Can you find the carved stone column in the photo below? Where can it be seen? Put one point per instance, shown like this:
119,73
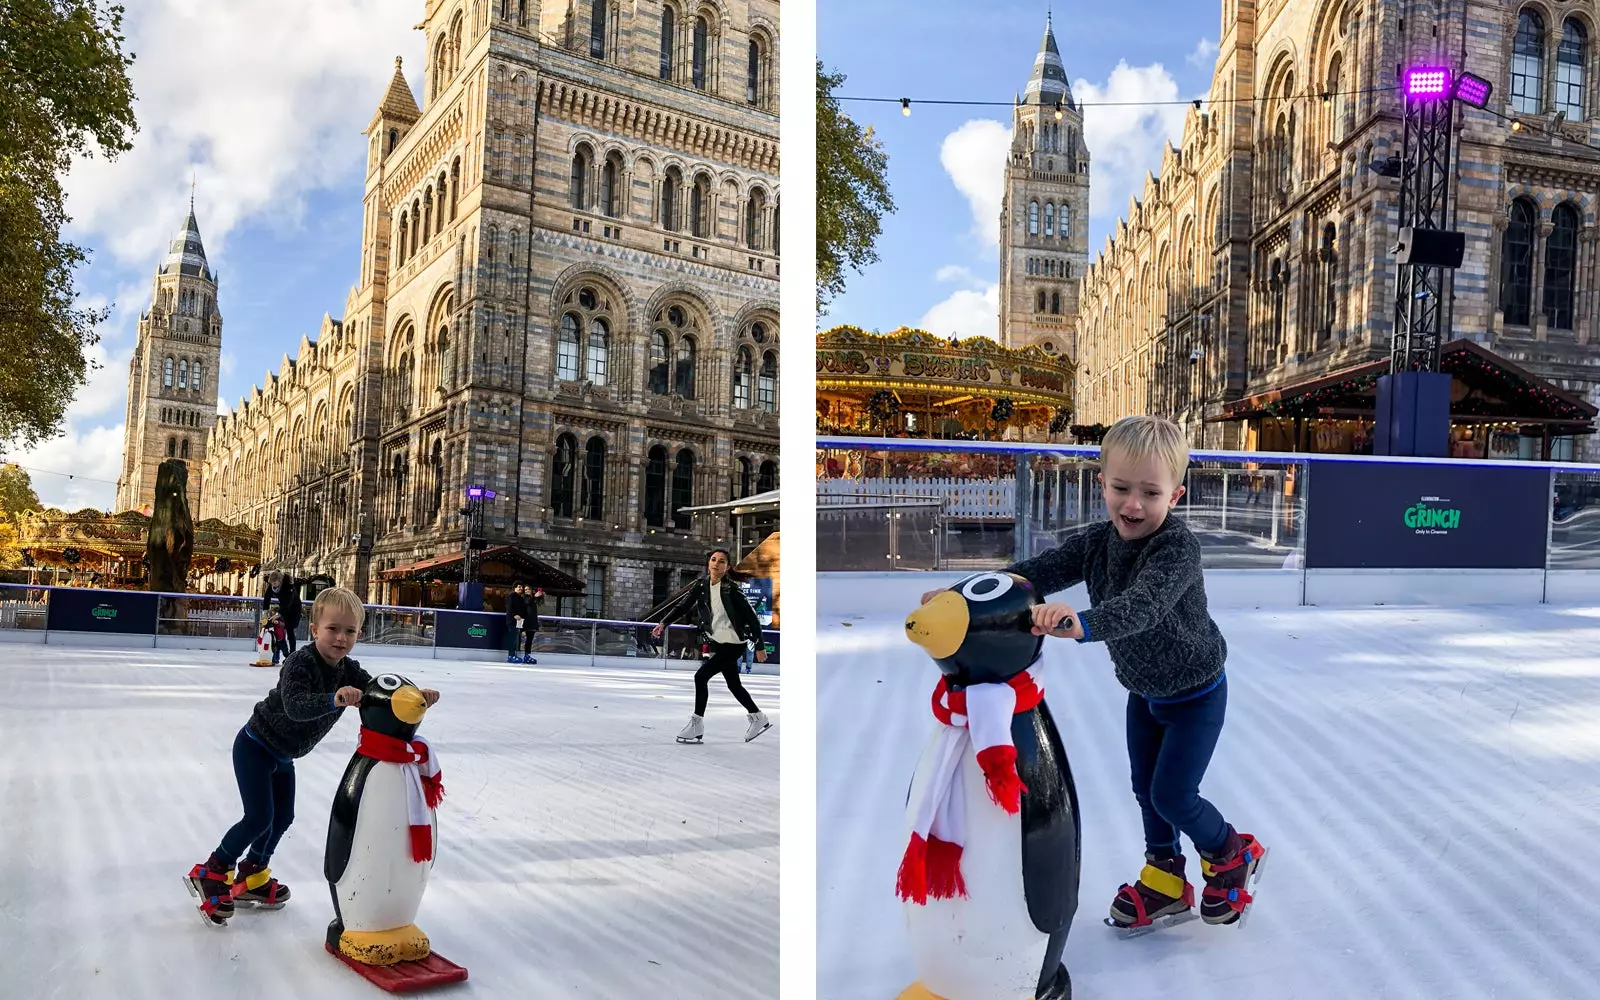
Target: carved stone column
1540,322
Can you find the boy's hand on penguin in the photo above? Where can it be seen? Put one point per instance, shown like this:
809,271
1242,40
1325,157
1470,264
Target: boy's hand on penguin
1056,620
429,696
347,696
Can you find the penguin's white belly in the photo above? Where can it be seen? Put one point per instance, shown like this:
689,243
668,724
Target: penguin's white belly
983,947
382,887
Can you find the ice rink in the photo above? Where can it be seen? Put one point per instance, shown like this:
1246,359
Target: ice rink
583,853
1427,781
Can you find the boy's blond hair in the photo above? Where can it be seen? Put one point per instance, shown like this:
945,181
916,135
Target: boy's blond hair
338,599
1140,437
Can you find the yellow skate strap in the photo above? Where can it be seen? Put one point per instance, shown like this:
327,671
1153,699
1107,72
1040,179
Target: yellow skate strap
1165,883
256,880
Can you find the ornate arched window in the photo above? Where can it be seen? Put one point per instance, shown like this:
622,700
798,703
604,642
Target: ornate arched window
593,501
166,373
754,208
747,478
563,476
1516,264
1049,219
1328,258
683,489
436,473
767,383
567,348
579,182
1033,218
655,487
611,186
1066,221
1038,304
742,374
400,244
1560,266
660,363
1571,57
700,203
183,373
671,199
701,51
668,32
197,381
599,349
1055,303
172,447
455,186
767,479
1527,65
683,368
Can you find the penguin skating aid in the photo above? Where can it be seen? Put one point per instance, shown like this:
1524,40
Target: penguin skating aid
382,842
989,876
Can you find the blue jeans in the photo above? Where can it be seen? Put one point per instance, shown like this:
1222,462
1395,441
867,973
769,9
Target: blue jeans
266,784
1169,748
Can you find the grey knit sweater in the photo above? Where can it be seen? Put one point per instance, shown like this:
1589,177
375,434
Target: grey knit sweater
1149,602
299,711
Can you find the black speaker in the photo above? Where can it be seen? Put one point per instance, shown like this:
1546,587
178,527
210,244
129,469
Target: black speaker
1430,248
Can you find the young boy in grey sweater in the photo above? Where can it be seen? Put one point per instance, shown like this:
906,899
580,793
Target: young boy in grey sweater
317,683
1143,573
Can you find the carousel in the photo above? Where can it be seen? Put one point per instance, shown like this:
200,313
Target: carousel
90,548
911,383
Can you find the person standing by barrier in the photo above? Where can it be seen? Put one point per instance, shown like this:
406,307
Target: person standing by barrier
728,627
282,588
516,615
532,597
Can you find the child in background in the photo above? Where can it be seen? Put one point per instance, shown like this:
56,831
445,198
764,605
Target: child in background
317,682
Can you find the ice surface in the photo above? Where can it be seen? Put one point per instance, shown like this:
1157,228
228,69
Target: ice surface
1428,782
583,853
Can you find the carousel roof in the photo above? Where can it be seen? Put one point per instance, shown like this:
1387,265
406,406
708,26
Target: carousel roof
852,361
125,535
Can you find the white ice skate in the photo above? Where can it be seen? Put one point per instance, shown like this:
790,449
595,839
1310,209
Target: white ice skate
694,732
758,725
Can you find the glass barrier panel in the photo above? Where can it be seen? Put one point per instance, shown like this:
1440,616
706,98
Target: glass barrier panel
200,615
386,626
1575,522
23,607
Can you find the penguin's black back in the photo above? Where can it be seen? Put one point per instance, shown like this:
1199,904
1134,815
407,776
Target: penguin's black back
1051,827
342,823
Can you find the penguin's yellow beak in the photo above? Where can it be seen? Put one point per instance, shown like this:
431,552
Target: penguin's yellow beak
407,705
940,626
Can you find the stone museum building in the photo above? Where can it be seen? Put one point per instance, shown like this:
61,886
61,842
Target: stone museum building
567,294
1248,292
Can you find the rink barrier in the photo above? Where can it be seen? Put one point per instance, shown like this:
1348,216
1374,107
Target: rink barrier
1276,529
122,619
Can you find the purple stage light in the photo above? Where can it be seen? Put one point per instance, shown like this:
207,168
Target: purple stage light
1427,83
1473,90
474,491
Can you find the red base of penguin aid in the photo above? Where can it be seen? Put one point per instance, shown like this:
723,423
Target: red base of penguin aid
406,977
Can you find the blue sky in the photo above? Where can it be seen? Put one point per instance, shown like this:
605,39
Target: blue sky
939,261
263,102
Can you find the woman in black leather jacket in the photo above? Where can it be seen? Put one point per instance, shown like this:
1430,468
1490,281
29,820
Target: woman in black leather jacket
728,626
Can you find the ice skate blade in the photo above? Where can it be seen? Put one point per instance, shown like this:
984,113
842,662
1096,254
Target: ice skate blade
1125,933
1250,887
209,920
758,732
696,741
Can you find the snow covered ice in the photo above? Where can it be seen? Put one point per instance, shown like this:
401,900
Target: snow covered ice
1427,781
583,853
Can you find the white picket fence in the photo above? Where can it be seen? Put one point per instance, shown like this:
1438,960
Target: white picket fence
964,499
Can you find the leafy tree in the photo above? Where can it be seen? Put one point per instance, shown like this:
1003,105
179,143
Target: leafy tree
64,92
852,192
16,496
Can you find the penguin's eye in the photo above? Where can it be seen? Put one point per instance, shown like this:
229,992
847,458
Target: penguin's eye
986,587
389,682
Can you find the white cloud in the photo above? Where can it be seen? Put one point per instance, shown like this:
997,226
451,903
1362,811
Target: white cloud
76,470
223,409
261,100
967,312
1204,55
974,156
1125,132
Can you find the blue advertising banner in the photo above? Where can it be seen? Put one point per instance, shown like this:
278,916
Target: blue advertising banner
758,591
469,630
1393,516
125,612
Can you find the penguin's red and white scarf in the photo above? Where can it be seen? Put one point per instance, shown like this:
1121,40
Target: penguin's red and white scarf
424,785
977,717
